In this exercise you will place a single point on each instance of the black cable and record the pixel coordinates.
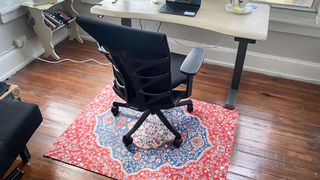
(140, 24)
(159, 26)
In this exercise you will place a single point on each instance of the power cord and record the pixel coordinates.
(159, 26)
(71, 60)
(74, 61)
(7, 50)
(67, 59)
(140, 24)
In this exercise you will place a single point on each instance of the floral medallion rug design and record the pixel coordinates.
(94, 142)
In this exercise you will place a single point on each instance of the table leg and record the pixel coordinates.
(44, 33)
(237, 72)
(25, 155)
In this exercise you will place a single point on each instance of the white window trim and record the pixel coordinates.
(296, 22)
(293, 15)
(313, 8)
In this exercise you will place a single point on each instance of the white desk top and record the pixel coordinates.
(29, 3)
(211, 16)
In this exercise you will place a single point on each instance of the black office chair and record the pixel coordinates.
(145, 71)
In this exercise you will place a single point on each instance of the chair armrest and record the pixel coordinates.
(193, 61)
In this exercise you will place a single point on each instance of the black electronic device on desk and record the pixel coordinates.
(181, 7)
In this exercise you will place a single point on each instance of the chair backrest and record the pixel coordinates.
(140, 59)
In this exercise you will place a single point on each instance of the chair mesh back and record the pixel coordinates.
(141, 62)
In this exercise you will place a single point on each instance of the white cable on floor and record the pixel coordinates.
(74, 61)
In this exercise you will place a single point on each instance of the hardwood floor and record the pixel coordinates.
(278, 134)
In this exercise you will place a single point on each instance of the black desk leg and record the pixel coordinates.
(25, 155)
(237, 72)
(126, 22)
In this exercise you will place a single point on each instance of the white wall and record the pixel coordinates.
(10, 59)
(13, 30)
(13, 59)
(282, 54)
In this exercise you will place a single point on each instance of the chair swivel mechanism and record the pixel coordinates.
(146, 73)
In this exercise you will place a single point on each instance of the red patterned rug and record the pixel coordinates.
(94, 142)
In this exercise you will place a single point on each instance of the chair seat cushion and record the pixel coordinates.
(177, 77)
(18, 121)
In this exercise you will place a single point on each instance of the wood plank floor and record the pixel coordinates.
(278, 135)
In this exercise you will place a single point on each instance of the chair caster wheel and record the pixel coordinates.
(115, 110)
(177, 143)
(190, 107)
(127, 141)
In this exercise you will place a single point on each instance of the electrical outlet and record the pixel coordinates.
(20, 42)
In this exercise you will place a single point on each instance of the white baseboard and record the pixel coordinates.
(16, 59)
(288, 68)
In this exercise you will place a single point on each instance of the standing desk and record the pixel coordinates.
(245, 29)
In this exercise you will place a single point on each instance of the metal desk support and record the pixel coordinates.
(237, 72)
(126, 22)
